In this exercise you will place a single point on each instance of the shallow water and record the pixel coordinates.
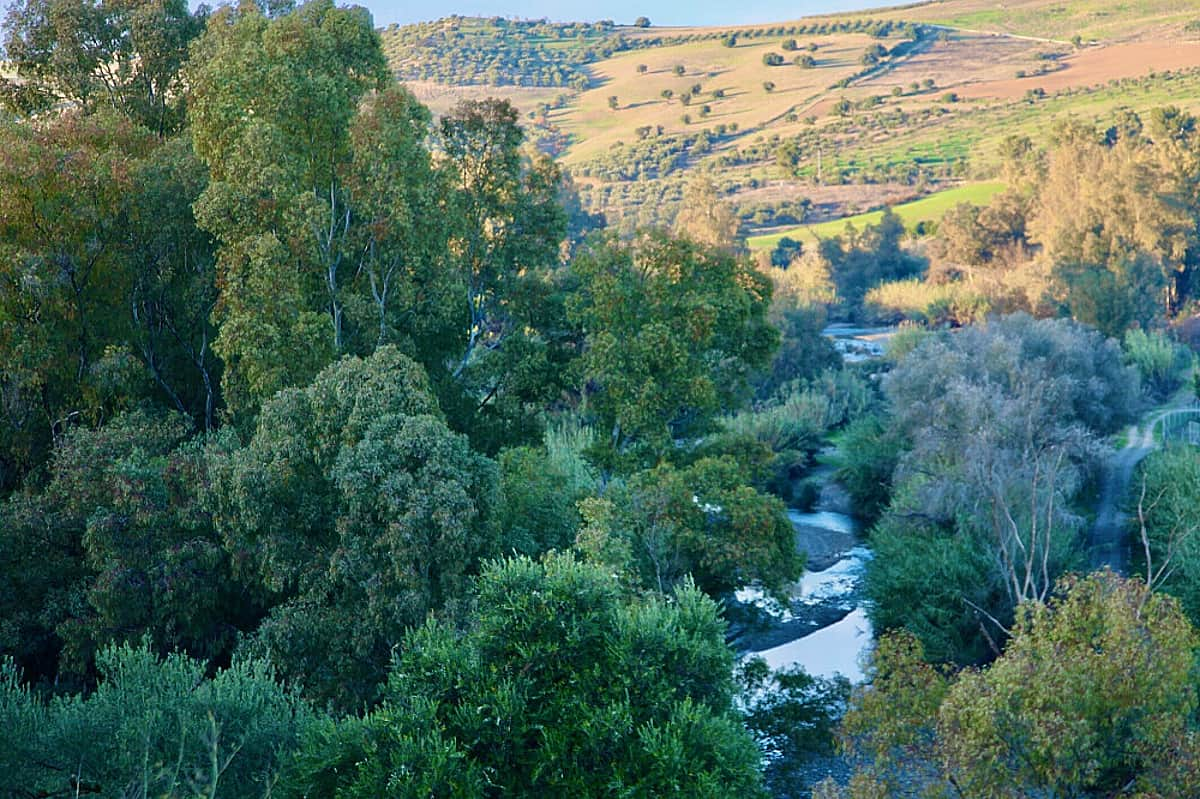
(836, 649)
(828, 597)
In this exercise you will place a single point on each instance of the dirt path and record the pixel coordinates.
(1107, 540)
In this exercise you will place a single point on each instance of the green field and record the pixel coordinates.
(927, 209)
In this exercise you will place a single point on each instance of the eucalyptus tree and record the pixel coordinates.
(124, 55)
(271, 109)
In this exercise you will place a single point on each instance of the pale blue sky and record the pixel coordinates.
(660, 12)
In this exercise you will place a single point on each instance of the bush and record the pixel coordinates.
(1162, 364)
(916, 300)
(152, 728)
(867, 456)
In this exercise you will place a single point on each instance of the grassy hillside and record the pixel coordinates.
(1092, 20)
(835, 113)
(927, 209)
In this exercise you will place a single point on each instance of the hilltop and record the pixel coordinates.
(811, 120)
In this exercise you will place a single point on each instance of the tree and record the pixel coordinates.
(105, 282)
(642, 22)
(169, 730)
(702, 522)
(508, 229)
(542, 491)
(860, 262)
(584, 692)
(132, 493)
(1096, 692)
(1161, 363)
(358, 513)
(126, 56)
(271, 108)
(673, 332)
(405, 293)
(705, 219)
(679, 70)
(1165, 493)
(613, 103)
(1091, 696)
(1089, 193)
(1001, 436)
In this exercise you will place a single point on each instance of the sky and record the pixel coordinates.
(660, 12)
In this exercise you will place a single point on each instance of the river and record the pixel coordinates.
(822, 626)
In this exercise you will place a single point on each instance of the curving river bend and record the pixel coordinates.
(822, 625)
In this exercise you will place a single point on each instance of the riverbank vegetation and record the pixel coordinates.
(344, 452)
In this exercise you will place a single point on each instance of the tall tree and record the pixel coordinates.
(105, 281)
(673, 332)
(507, 231)
(559, 686)
(125, 55)
(272, 102)
(357, 512)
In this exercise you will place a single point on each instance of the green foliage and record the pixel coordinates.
(702, 522)
(1093, 695)
(541, 489)
(127, 57)
(513, 341)
(152, 728)
(1167, 490)
(868, 452)
(674, 331)
(118, 547)
(891, 717)
(559, 686)
(272, 101)
(865, 260)
(96, 223)
(1001, 424)
(921, 580)
(358, 512)
(1162, 364)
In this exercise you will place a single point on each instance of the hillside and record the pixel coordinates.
(812, 120)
